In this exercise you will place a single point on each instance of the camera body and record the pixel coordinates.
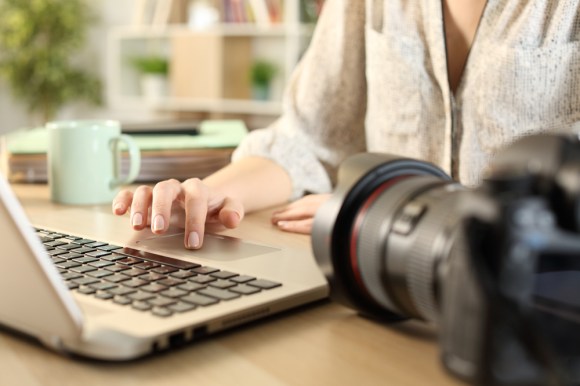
(399, 239)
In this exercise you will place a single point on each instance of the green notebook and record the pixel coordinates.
(213, 134)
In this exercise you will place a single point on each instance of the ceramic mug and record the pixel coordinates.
(84, 161)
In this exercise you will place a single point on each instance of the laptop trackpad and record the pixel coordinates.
(215, 247)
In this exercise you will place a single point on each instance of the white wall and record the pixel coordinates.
(110, 13)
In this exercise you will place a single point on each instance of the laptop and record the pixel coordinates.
(82, 282)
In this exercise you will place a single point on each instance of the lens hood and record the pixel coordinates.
(359, 177)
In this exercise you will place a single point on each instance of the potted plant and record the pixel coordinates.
(38, 43)
(262, 73)
(153, 70)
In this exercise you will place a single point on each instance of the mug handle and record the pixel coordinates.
(134, 158)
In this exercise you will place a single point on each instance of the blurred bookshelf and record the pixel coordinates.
(210, 62)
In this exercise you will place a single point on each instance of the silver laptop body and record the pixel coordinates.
(35, 300)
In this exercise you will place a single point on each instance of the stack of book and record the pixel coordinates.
(163, 156)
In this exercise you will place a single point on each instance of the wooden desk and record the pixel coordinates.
(319, 344)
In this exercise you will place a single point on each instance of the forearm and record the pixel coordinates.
(255, 181)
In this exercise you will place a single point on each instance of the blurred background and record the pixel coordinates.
(149, 60)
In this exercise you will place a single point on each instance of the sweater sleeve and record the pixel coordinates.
(324, 104)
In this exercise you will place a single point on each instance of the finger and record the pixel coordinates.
(300, 226)
(164, 194)
(195, 203)
(140, 206)
(231, 213)
(122, 202)
(292, 214)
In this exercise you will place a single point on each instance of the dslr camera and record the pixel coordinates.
(496, 268)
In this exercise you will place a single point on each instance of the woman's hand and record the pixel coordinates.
(191, 204)
(298, 216)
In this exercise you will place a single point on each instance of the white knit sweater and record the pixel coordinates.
(375, 79)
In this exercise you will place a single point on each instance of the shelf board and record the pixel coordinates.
(224, 29)
(234, 106)
(222, 105)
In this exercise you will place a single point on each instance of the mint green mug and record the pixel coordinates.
(84, 161)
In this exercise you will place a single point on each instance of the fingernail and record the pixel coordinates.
(193, 240)
(119, 207)
(137, 219)
(158, 223)
(282, 224)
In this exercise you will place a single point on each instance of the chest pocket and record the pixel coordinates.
(393, 81)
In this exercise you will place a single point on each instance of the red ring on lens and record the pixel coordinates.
(358, 224)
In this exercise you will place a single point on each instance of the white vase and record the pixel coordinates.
(153, 87)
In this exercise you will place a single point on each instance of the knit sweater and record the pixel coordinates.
(374, 79)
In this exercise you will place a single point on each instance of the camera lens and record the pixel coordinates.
(382, 236)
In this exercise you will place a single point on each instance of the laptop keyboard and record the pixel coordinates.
(144, 281)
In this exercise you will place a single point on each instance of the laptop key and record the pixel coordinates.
(86, 290)
(152, 276)
(218, 293)
(264, 284)
(222, 284)
(113, 257)
(57, 260)
(174, 293)
(95, 244)
(109, 247)
(83, 269)
(134, 272)
(70, 255)
(191, 286)
(71, 275)
(100, 263)
(71, 285)
(85, 259)
(133, 283)
(84, 250)
(55, 252)
(205, 270)
(147, 265)
(140, 296)
(83, 241)
(141, 306)
(161, 301)
(181, 307)
(85, 280)
(121, 291)
(199, 300)
(54, 243)
(129, 261)
(97, 253)
(153, 287)
(117, 268)
(182, 274)
(171, 282)
(245, 289)
(223, 274)
(123, 300)
(68, 247)
(99, 273)
(116, 278)
(161, 311)
(202, 279)
(104, 295)
(164, 270)
(68, 264)
(102, 286)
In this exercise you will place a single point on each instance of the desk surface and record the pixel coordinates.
(319, 344)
